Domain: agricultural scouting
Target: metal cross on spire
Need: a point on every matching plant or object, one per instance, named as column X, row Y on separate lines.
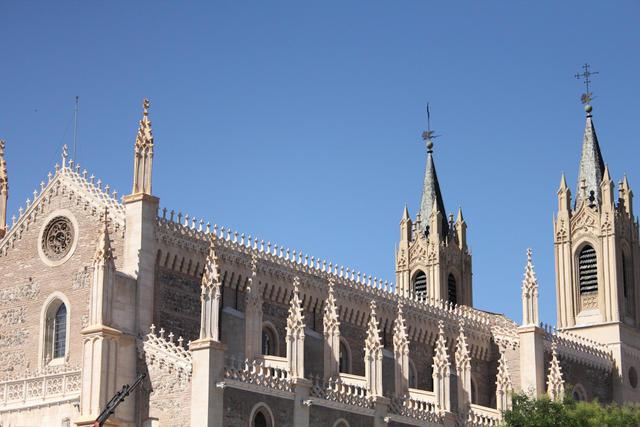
column 586, row 77
column 429, row 135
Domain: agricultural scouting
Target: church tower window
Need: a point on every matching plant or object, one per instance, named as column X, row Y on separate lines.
column 55, row 329
column 452, row 291
column 588, row 270
column 420, row 284
column 269, row 341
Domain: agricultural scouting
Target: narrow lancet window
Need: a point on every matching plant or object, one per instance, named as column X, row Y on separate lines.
column 452, row 294
column 60, row 332
column 420, row 284
column 588, row 270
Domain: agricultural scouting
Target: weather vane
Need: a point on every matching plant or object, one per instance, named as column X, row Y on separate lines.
column 429, row 135
column 586, row 77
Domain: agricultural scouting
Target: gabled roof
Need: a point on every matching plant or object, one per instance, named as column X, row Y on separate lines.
column 67, row 180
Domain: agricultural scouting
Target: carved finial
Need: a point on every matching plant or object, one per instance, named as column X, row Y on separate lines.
column 400, row 338
column 104, row 252
column 463, row 359
column 555, row 382
column 330, row 319
column 441, row 356
column 143, row 154
column 529, row 293
column 65, row 155
column 295, row 320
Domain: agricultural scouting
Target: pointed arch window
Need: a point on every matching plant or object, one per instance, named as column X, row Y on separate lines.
column 413, row 375
column 261, row 416
column 452, row 291
column 420, row 284
column 269, row 340
column 588, row 270
column 55, row 330
column 344, row 358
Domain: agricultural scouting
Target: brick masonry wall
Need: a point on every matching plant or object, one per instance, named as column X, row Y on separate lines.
column 26, row 282
column 596, row 383
column 320, row 416
column 177, row 303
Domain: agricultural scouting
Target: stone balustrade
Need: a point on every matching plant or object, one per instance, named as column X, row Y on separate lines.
column 337, row 390
column 166, row 353
column 578, row 348
column 256, row 373
column 483, row 416
column 40, row 388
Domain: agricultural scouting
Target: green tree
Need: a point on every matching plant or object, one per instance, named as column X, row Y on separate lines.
column 543, row 412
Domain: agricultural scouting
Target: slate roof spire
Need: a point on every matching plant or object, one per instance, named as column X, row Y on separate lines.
column 431, row 194
column 591, row 165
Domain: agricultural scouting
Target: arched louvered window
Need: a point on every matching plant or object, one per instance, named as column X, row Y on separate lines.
column 588, row 270
column 452, row 291
column 420, row 284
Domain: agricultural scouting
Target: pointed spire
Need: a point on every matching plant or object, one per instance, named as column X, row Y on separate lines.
column 463, row 359
column 405, row 213
column 460, row 218
column 504, row 386
column 401, row 354
column 331, row 323
column 441, row 371
column 295, row 333
column 143, row 161
column 372, row 342
column 400, row 338
column 4, row 191
column 529, row 294
column 373, row 355
column 591, row 166
column 210, row 296
column 563, row 183
column 431, row 194
column 555, row 383
column 104, row 252
column 295, row 321
column 625, row 196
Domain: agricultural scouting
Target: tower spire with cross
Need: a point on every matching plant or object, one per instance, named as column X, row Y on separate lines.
column 586, row 97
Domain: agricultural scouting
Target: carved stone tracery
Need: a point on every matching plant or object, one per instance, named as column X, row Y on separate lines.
column 57, row 238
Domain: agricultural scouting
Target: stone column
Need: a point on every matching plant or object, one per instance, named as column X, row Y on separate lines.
column 101, row 342
column 207, row 353
column 441, row 372
column 331, row 326
column 207, row 357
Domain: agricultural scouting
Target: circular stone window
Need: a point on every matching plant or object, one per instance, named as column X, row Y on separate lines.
column 633, row 377
column 58, row 238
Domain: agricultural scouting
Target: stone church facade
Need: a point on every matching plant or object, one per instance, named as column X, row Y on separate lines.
column 232, row 330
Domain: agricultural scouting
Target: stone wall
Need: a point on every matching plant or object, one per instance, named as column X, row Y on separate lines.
column 238, row 405
column 596, row 382
column 169, row 398
column 177, row 303
column 321, row 416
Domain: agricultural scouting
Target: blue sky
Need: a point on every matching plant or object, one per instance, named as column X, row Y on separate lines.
column 300, row 122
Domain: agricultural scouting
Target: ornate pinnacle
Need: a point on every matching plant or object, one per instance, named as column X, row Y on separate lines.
column 145, row 107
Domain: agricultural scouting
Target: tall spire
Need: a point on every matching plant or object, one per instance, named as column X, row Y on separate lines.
column 529, row 294
column 591, row 163
column 143, row 161
column 4, row 191
column 431, row 194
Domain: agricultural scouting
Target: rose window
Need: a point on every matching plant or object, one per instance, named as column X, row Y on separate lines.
column 57, row 238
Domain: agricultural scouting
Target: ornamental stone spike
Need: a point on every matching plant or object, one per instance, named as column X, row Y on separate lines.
column 4, row 190
column 373, row 355
column 401, row 354
column 295, row 333
column 143, row 154
column 529, row 294
column 331, row 332
column 504, row 386
column 103, row 278
column 441, row 371
column 555, row 382
column 210, row 297
column 463, row 372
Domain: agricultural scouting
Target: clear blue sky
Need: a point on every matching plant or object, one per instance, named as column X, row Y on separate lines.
column 300, row 122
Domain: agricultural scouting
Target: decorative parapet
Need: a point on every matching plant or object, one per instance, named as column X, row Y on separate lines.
column 242, row 373
column 416, row 409
column 166, row 354
column 192, row 233
column 44, row 387
column 577, row 348
column 340, row 391
column 483, row 416
column 86, row 192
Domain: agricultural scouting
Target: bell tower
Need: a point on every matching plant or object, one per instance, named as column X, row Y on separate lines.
column 597, row 261
column 432, row 259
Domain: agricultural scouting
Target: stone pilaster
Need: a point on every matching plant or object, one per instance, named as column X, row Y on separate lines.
column 207, row 357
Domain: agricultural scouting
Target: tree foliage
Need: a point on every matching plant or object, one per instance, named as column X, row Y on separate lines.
column 543, row 412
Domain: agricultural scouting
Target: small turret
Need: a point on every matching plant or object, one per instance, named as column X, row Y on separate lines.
column 564, row 196
column 143, row 161
column 461, row 230
column 625, row 197
column 606, row 189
